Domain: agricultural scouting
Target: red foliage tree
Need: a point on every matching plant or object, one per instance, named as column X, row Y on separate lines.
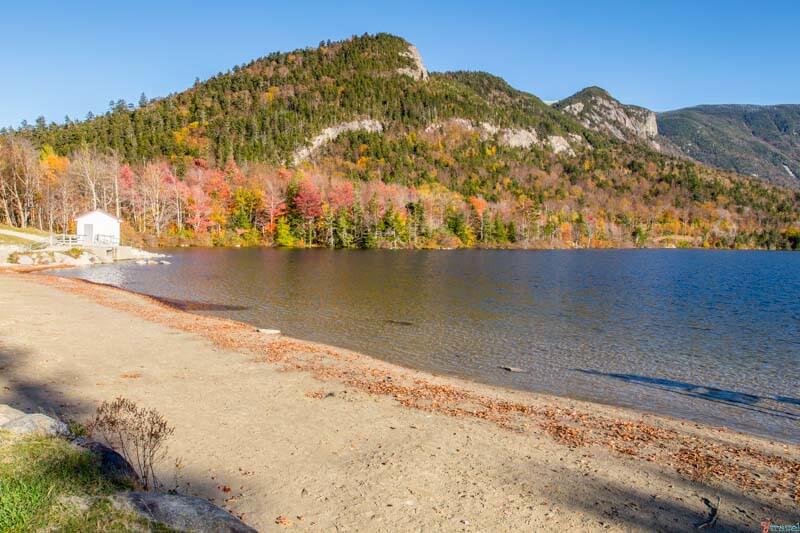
column 342, row 196
column 308, row 203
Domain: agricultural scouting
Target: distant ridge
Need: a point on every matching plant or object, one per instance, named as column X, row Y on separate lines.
column 758, row 141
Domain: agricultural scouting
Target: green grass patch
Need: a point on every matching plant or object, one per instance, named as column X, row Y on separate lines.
column 29, row 231
column 38, row 475
column 10, row 239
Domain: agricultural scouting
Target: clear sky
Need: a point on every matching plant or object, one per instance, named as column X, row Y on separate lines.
column 66, row 58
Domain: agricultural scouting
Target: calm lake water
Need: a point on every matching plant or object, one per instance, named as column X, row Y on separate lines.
column 710, row 336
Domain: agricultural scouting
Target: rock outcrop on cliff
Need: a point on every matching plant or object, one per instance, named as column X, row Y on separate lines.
column 417, row 71
column 329, row 134
column 597, row 110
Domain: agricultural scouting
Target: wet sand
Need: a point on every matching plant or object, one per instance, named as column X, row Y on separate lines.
column 301, row 436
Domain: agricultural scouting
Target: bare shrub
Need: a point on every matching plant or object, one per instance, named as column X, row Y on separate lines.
column 139, row 434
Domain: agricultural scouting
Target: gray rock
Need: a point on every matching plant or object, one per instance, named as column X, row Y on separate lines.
column 8, row 413
column 85, row 259
column 6, row 250
column 597, row 110
column 512, row 369
column 36, row 424
column 64, row 259
column 183, row 513
column 560, row 144
column 518, row 138
column 112, row 465
column 417, row 71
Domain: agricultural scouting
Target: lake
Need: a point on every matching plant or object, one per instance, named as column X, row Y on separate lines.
column 710, row 336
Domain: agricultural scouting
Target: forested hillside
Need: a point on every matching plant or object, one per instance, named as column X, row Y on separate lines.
column 264, row 110
column 760, row 141
column 354, row 144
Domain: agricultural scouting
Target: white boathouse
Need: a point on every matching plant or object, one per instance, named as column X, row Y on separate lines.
column 97, row 228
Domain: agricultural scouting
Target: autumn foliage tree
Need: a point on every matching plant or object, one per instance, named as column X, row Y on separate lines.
column 308, row 203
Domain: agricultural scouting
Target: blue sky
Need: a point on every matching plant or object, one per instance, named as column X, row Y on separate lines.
column 62, row 58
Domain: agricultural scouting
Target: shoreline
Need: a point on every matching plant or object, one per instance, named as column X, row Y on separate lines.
column 460, row 381
column 463, row 381
column 629, row 246
column 696, row 453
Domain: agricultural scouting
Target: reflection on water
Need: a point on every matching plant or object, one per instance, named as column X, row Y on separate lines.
column 709, row 336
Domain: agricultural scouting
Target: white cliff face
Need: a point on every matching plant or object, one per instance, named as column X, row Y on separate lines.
column 518, row 138
column 512, row 137
column 329, row 134
column 560, row 145
column 574, row 109
column 651, row 125
column 460, row 123
column 418, row 70
column 626, row 123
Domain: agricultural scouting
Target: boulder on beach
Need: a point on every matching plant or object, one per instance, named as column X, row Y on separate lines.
column 183, row 513
column 36, row 424
column 112, row 464
column 8, row 413
column 64, row 259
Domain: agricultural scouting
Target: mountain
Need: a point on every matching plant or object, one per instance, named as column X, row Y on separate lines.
column 273, row 107
column 355, row 144
column 759, row 141
column 597, row 110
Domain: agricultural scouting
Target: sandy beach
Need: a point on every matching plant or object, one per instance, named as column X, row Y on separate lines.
column 292, row 435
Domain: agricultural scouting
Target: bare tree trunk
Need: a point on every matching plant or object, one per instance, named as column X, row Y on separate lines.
column 118, row 211
column 87, row 166
column 22, row 219
column 6, row 214
column 178, row 212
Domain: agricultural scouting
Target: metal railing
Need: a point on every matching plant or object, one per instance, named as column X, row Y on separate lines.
column 84, row 240
column 110, row 240
column 65, row 240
